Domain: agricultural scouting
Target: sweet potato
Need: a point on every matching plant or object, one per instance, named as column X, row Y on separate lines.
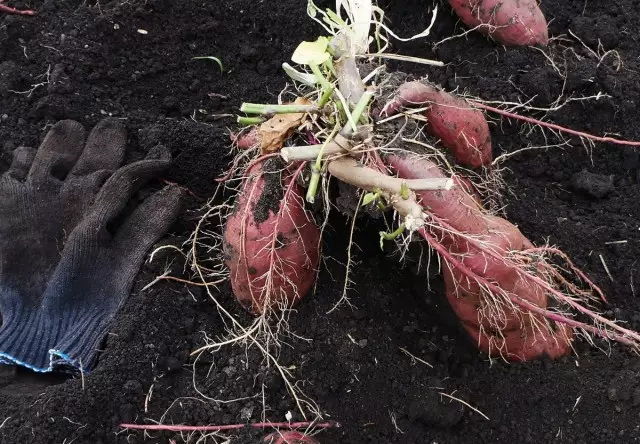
column 510, row 22
column 460, row 128
column 290, row 437
column 271, row 245
column 497, row 325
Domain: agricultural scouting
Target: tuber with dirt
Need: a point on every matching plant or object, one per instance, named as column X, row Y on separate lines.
column 459, row 127
column 517, row 301
column 271, row 243
column 379, row 134
column 510, row 22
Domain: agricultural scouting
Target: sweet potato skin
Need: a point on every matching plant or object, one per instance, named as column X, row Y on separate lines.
column 511, row 336
column 461, row 128
column 273, row 246
column 510, row 22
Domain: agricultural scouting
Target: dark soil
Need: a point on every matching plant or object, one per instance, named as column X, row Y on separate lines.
column 99, row 65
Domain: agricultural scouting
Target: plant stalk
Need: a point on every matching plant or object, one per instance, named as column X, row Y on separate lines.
column 316, row 167
column 267, row 110
column 246, row 121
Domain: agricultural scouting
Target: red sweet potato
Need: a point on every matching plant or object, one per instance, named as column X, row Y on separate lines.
column 460, row 127
column 503, row 332
column 290, row 437
column 510, row 22
column 247, row 140
column 271, row 245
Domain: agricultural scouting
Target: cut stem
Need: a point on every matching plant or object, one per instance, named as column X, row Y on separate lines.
column 309, row 152
column 247, row 121
column 267, row 110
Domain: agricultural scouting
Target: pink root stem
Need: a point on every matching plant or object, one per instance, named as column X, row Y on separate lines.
column 523, row 303
column 219, row 428
column 572, row 266
column 553, row 125
column 9, row 10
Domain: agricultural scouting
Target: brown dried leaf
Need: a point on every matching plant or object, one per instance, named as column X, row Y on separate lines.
column 275, row 131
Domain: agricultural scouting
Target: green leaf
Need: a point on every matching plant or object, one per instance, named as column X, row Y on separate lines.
column 302, row 77
column 335, row 18
column 312, row 53
column 215, row 59
column 368, row 198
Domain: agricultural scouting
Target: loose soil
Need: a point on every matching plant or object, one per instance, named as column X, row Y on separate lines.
column 100, row 64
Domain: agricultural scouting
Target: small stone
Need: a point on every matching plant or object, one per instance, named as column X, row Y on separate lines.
column 195, row 85
column 126, row 413
column 592, row 184
column 169, row 365
column 229, row 370
column 9, row 77
column 246, row 413
column 59, row 82
column 132, row 386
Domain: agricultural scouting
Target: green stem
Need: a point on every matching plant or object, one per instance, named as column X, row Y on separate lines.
column 246, row 121
column 266, row 110
column 325, row 97
column 320, row 77
column 327, row 87
column 384, row 236
column 316, row 167
column 358, row 111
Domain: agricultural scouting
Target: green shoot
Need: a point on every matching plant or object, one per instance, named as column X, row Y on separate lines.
column 215, row 59
column 376, row 196
column 358, row 111
column 404, row 191
column 322, row 80
column 368, row 198
column 384, row 236
column 326, row 96
column 316, row 167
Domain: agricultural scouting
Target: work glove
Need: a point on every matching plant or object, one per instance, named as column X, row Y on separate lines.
column 70, row 245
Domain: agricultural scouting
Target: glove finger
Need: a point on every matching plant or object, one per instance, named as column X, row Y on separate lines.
column 58, row 152
column 22, row 160
column 104, row 150
column 149, row 222
column 121, row 186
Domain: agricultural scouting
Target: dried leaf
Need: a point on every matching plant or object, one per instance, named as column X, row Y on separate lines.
column 274, row 132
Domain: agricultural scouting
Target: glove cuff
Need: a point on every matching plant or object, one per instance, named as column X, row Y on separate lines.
column 77, row 349
column 26, row 337
column 34, row 339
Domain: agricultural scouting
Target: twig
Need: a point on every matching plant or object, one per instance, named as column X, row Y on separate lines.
column 415, row 357
column 467, row 404
column 604, row 264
